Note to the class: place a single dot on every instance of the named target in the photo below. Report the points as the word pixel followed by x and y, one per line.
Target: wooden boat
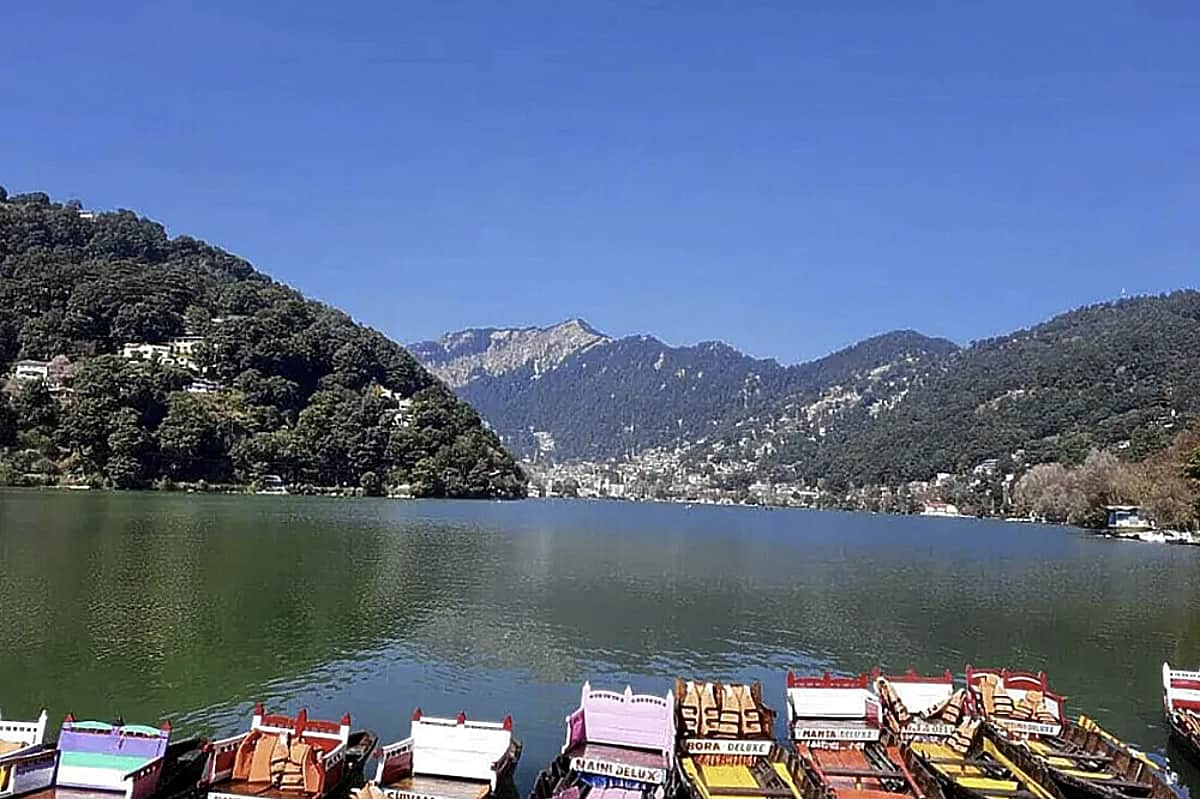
pixel 1088 763
pixel 968 765
pixel 18 735
pixel 281 757
pixel 98 760
pixel 835 724
pixel 917 707
pixel 618 746
pixel 1181 703
pixel 446 758
pixel 1080 757
pixel 1018 702
pixel 727 746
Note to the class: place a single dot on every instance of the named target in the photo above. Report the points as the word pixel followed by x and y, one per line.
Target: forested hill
pixel 1121 374
pixel 568 392
pixel 237 376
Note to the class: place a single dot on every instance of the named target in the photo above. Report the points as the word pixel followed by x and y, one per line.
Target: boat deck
pixel 619 754
pixel 854 776
pixel 442 787
pixel 983 774
pixel 740 782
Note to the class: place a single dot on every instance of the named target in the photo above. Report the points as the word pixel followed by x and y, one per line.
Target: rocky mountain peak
pixel 460 357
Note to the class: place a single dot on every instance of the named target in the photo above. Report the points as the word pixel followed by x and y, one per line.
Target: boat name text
pixel 708 746
pixel 608 768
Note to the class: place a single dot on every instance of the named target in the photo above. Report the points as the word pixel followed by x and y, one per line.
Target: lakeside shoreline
pixel 1169 537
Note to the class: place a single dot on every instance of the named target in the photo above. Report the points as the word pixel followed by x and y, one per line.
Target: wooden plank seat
pixel 443 787
pixel 729 790
pixel 1125 785
pixel 883 774
pixel 1066 755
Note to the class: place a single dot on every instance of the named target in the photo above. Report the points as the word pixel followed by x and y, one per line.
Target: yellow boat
pixel 982 772
pixel 1088 762
pixel 728 750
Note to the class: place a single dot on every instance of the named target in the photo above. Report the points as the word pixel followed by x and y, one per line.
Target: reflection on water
pixel 194 607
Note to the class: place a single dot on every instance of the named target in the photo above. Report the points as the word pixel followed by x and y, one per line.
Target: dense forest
pixel 273 384
pixel 1117 374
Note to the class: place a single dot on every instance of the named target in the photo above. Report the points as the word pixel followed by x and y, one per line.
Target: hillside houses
pixel 181 351
pixel 57 373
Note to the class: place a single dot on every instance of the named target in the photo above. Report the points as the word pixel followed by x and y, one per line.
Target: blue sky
pixel 788 177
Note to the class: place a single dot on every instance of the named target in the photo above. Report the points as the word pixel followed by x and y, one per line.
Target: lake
pixel 194 607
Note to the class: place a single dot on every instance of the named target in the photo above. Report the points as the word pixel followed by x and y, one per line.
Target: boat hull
pixel 1086 763
pixel 984 773
pixel 1187 740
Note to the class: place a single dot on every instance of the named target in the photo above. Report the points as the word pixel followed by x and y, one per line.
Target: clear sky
pixel 788 177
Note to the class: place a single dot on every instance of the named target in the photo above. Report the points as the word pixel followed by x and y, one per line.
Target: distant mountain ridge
pixel 569 392
pixel 896 407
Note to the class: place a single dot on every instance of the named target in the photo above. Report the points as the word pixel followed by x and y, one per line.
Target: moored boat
pixel 835 724
pixel 920 707
pixel 448 758
pixel 98 760
pixel 1080 757
pixel 727 746
pixel 1181 703
pixel 1087 762
pixel 618 746
pixel 18 735
pixel 1019 702
pixel 282 757
pixel 968 765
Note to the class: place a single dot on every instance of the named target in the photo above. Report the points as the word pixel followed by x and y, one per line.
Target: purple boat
pixel 618 746
pixel 104 761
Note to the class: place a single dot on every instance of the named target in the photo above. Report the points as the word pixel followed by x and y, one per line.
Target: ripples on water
pixel 195 607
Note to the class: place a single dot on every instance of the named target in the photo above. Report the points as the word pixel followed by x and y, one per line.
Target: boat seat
pixel 863 772
pixel 1076 755
pixel 261 752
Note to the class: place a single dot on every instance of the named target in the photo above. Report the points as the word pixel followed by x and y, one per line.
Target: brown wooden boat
pixel 969 765
pixel 835 724
pixel 1029 726
pixel 284 757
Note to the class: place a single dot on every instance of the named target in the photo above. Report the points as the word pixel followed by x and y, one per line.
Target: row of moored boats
pixel 1002 735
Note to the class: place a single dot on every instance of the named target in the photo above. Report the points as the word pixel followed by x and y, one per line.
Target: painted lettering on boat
pixel 1031 727
pixel 623 771
pixel 396 793
pixel 834 734
pixel 708 746
pixel 920 728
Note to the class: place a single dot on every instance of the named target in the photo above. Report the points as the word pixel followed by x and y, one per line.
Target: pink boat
pixel 618 746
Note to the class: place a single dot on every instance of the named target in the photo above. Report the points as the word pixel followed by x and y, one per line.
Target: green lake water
pixel 194 607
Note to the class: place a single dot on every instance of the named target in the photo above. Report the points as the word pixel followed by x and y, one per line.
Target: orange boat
pixel 835 724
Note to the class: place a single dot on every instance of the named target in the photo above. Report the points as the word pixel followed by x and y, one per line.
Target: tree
pixel 36 409
pixel 1048 491
pixel 8 423
pixel 190 440
pixel 128 445
pixel 370 484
